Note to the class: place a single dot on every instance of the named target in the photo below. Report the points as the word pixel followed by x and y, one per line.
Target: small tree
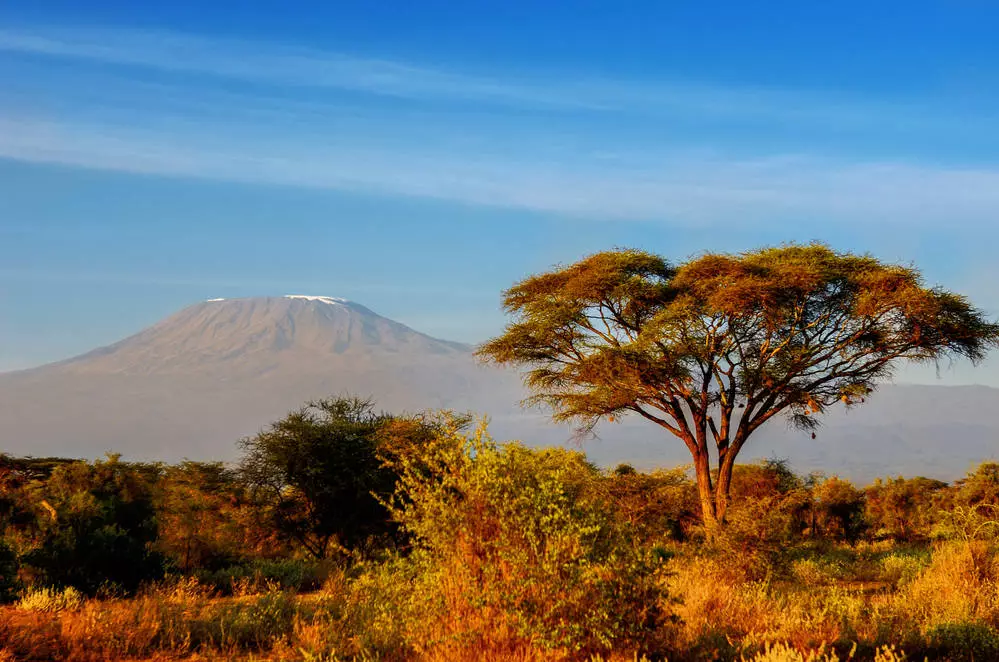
pixel 207 520
pixel 838 509
pixel 319 470
pixel 96 526
pixel 713 348
pixel 905 508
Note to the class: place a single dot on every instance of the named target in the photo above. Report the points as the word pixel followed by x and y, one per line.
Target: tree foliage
pixel 320 473
pixel 95 527
pixel 905 509
pixel 208 520
pixel 713 348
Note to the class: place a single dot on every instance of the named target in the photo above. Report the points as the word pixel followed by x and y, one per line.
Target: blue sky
pixel 419 157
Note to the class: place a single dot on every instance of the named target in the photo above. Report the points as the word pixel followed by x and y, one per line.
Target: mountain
pixel 194 383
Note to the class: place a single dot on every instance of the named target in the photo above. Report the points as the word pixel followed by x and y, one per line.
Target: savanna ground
pixel 473 550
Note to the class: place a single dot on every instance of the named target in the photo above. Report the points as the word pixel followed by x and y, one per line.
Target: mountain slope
pixel 195 382
pixel 252 335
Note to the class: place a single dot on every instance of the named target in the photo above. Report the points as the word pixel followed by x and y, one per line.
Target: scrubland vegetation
pixel 469 549
pixel 348 534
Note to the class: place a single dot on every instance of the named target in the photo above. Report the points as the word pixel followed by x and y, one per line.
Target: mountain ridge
pixel 221 329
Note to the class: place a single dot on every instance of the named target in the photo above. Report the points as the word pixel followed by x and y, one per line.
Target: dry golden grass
pixel 952 604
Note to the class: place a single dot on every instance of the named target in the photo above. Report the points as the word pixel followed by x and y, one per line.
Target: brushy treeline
pixel 476 550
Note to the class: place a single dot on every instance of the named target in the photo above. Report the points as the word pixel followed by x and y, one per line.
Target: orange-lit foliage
pixel 515 547
pixel 905 509
pixel 208 520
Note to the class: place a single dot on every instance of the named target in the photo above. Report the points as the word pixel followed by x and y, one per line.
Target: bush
pixel 759 533
pixel 785 653
pixel 100 531
pixel 515 546
pixel 900 569
pixel 980 486
pixel 260 574
pixel 208 520
pixel 976 522
pixel 816 571
pixel 839 510
pixel 10 585
pixel 658 506
pixel 318 469
pixel 961 584
pixel 957 642
pixel 904 509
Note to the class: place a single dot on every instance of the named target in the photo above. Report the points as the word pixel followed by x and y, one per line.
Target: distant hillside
pixel 192 384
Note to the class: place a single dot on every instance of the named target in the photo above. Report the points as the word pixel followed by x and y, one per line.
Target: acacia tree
pixel 713 348
pixel 319 470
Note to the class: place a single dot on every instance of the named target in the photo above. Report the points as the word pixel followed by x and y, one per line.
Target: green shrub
pixel 259 574
pixel 10 585
pixel 980 486
pixel 318 470
pixel 817 571
pixel 101 526
pixel 900 569
pixel 957 642
pixel 976 522
pixel 258 624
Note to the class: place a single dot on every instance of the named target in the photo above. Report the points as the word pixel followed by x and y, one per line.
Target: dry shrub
pixel 51 599
pixel 719 609
pixel 518 549
pixel 784 653
pixel 946 610
pixel 959 585
pixel 152 624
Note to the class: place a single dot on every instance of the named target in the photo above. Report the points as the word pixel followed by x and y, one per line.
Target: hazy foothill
pixel 348 529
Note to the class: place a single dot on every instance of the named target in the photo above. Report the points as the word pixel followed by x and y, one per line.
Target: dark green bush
pixel 293 574
pixel 956 642
pixel 10 585
pixel 97 530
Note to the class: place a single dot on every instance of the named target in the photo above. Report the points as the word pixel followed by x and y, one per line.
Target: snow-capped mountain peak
pixel 308 297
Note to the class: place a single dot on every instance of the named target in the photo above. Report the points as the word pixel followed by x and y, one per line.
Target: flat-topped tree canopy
pixel 712 348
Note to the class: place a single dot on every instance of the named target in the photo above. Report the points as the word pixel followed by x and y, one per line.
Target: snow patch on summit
pixel 335 301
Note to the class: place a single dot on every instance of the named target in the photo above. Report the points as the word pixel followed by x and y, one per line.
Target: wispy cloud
pixel 273 64
pixel 680 188
pixel 290 66
pixel 278 131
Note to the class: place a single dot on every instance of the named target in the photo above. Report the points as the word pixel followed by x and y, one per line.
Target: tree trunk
pixel 702 469
pixel 726 463
pixel 724 484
